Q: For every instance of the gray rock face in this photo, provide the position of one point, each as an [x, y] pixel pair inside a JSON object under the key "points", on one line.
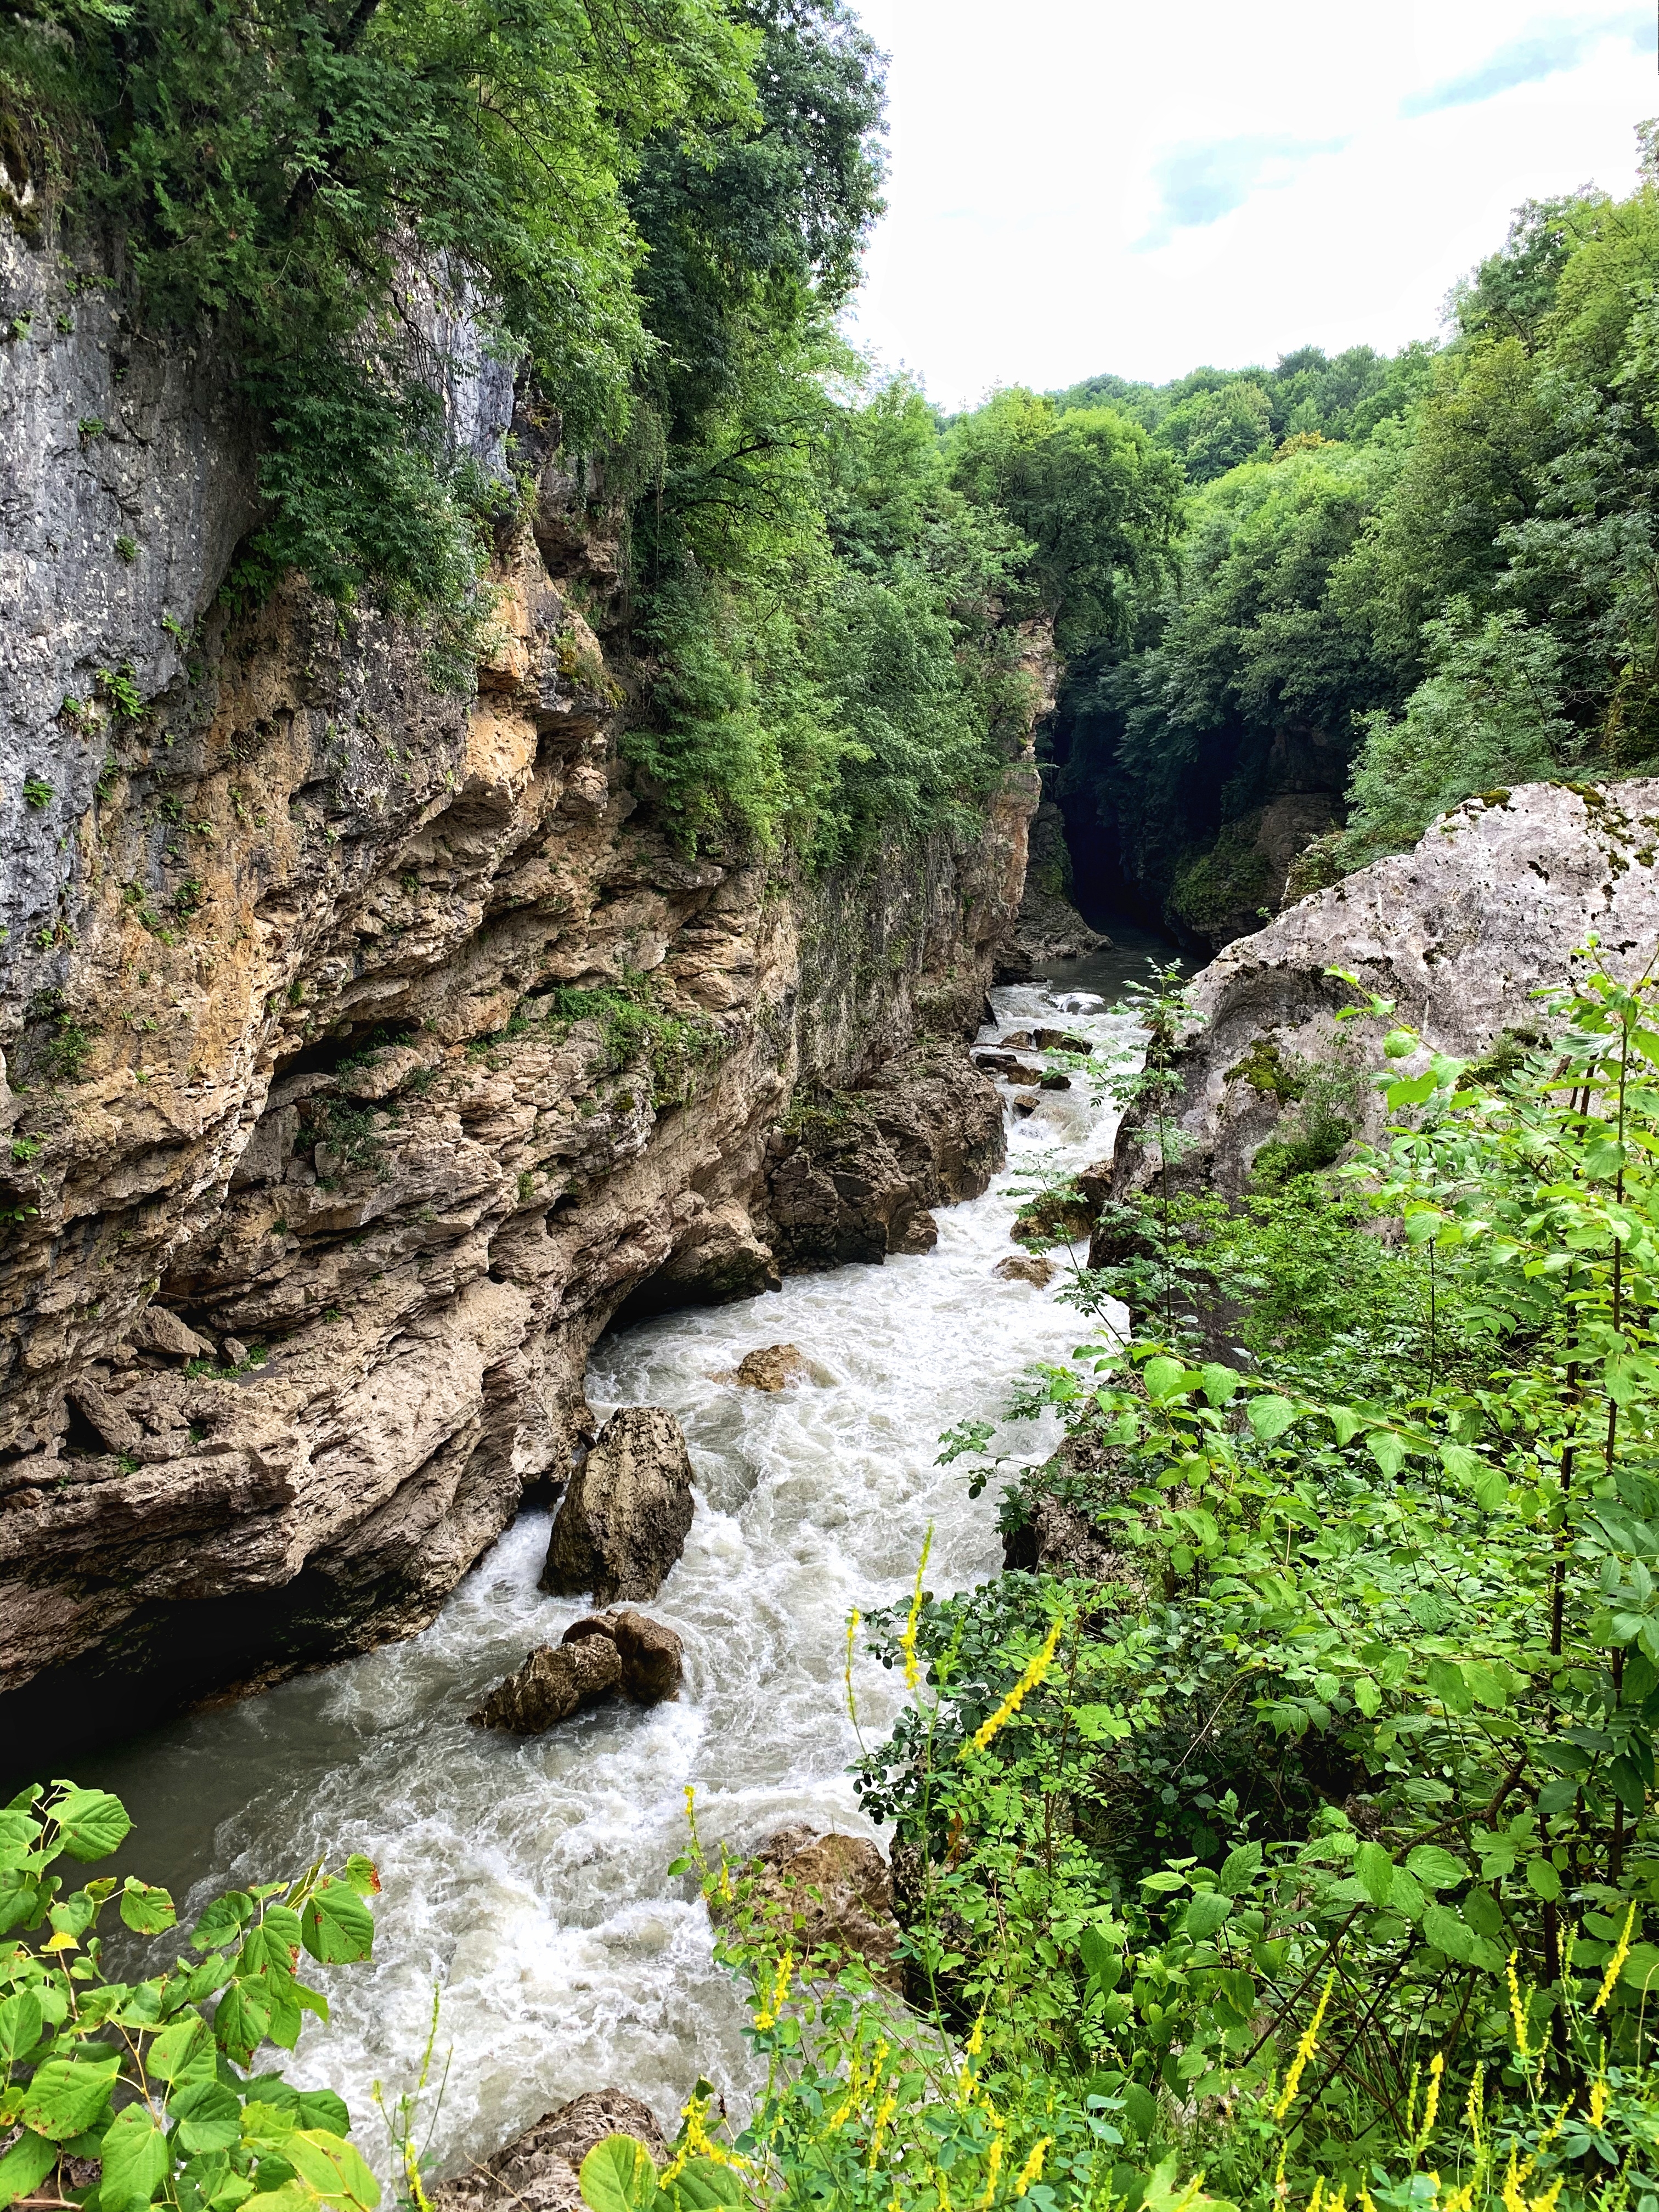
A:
{"points": [[1491, 904], [1047, 926], [624, 1519], [540, 2170]]}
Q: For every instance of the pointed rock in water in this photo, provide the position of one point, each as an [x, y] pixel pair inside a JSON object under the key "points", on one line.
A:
{"points": [[540, 2170], [771, 1368], [552, 1683], [1060, 1041], [622, 1521]]}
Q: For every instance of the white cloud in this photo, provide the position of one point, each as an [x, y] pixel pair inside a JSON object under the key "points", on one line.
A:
{"points": [[1085, 187]]}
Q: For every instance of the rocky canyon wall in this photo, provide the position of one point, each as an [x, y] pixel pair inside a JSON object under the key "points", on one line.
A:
{"points": [[370, 1048]]}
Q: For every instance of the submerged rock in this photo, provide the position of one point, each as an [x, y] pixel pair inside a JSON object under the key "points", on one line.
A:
{"points": [[830, 1893], [540, 2170], [770, 1368], [1060, 1041], [622, 1651], [624, 1519]]}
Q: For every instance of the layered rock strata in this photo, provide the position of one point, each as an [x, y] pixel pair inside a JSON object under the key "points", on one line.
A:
{"points": [[626, 1512], [540, 2170], [371, 1046]]}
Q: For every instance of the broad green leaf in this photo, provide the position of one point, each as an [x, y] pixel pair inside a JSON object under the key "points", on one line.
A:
{"points": [[1163, 1378], [25, 2166], [1492, 1487], [1543, 1880], [1444, 1929], [1447, 1682], [363, 1875], [337, 1926], [1368, 1696], [136, 2161], [1411, 1090], [333, 2167], [1345, 1423], [1435, 1869], [222, 1922], [242, 2021], [1205, 1913], [1220, 1383], [146, 1910], [1374, 1867], [310, 2108], [1386, 1448], [91, 1823], [20, 2023], [1237, 1870], [209, 2114], [1405, 1894], [1270, 1416], [178, 2047], [64, 2096], [701, 2185], [1139, 2108], [618, 2176], [1100, 1957]]}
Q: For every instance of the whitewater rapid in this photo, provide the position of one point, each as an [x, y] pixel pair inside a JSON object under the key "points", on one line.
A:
{"points": [[528, 1879]]}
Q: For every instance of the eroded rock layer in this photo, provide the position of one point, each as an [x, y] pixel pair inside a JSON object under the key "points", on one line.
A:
{"points": [[370, 1048]]}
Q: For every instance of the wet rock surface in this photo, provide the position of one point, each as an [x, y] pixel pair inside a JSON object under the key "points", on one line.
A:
{"points": [[625, 1514], [540, 2170], [1047, 926], [1459, 932], [621, 1651], [773, 1367], [1030, 1267]]}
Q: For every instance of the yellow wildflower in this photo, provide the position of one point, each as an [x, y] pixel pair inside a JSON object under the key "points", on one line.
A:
{"points": [[1338, 2202], [1015, 1697], [944, 2204], [993, 2167], [1318, 2197], [1545, 2202], [852, 1631], [1513, 2200], [1032, 2169], [1281, 2187], [1364, 2199], [908, 1641], [1304, 2051], [1616, 1963], [698, 2143], [1518, 2011], [1474, 2104], [1598, 2102], [885, 2113], [976, 2042], [1431, 2103], [767, 2014]]}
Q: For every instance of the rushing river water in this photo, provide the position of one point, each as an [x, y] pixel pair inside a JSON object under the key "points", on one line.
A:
{"points": [[527, 1879]]}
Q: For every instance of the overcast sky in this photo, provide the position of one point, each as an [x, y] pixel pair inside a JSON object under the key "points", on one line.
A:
{"points": [[1088, 184]]}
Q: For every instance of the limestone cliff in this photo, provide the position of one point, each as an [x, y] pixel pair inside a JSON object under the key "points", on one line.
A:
{"points": [[371, 1047]]}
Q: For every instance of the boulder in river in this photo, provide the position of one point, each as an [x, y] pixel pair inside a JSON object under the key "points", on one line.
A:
{"points": [[1060, 1041], [1026, 1267], [771, 1367], [540, 2170], [826, 1893], [622, 1521], [621, 1651]]}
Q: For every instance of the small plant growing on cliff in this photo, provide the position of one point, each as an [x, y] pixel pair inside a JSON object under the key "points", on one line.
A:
{"points": [[37, 791], [153, 2080], [127, 547], [122, 692], [90, 426]]}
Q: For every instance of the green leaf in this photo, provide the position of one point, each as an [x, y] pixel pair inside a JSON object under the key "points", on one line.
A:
{"points": [[1368, 1696], [66, 2095], [146, 1910], [1238, 1868], [20, 2023], [222, 1922], [1270, 1416], [1444, 1929], [1411, 1090], [701, 2185], [136, 2161], [310, 2108], [91, 1823], [327, 2167], [1163, 1378], [25, 2166], [363, 1875], [618, 2176], [1405, 1894], [1374, 1867], [1139, 2108], [1386, 1448], [208, 2114], [337, 1927], [1543, 1880], [1492, 1487], [183, 2044], [1447, 1682], [1205, 1913], [242, 2020], [1435, 1869]]}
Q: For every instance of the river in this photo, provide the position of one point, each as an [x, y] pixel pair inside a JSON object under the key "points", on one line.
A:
{"points": [[527, 1879]]}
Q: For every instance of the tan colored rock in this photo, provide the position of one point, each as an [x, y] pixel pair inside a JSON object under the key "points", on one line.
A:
{"points": [[771, 1368], [651, 1654], [554, 1681], [540, 2170], [829, 1894], [622, 1521], [159, 1330], [1030, 1267]]}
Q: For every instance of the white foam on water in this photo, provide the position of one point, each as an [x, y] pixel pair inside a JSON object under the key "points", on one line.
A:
{"points": [[528, 1878]]}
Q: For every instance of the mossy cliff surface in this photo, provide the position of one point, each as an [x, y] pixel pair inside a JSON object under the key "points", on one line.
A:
{"points": [[370, 1047]]}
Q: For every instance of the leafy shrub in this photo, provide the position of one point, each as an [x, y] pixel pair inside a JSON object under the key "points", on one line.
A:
{"points": [[153, 2080]]}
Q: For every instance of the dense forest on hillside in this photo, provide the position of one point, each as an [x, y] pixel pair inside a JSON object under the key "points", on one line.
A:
{"points": [[1400, 580]]}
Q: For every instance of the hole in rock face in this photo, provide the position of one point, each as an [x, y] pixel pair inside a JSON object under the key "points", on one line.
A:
{"points": [[81, 1440], [325, 1055]]}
